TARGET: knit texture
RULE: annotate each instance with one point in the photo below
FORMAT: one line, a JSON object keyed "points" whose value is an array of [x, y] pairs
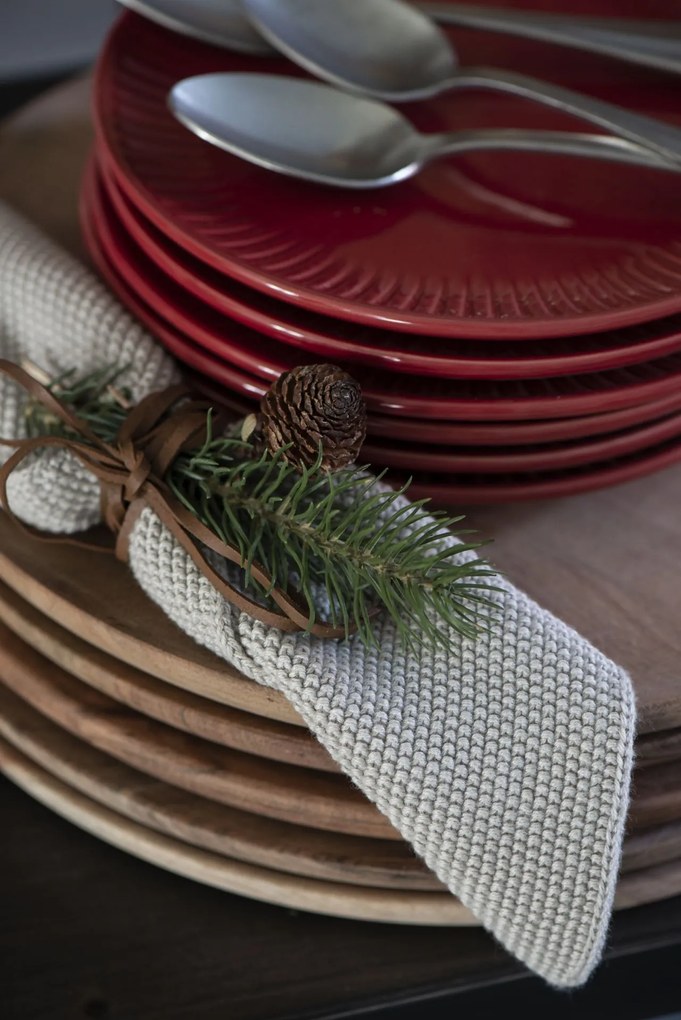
{"points": [[505, 762]]}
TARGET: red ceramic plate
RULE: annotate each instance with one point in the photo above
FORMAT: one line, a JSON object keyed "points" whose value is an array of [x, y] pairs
{"points": [[469, 488], [168, 311], [228, 340], [479, 490], [491, 245], [236, 384], [463, 434], [472, 490], [458, 459], [547, 457], [353, 344]]}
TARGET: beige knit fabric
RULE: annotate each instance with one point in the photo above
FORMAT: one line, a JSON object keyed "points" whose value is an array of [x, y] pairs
{"points": [[505, 762]]}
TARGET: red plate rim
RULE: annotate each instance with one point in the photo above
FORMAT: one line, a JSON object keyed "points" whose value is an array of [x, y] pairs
{"points": [[327, 304], [569, 484], [278, 322], [424, 406], [476, 434], [549, 457]]}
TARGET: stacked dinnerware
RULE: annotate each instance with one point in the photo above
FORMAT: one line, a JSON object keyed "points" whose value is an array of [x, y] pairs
{"points": [[122, 724], [514, 319]]}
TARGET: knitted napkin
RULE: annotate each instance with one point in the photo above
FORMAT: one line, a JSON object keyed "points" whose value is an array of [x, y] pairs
{"points": [[505, 761]]}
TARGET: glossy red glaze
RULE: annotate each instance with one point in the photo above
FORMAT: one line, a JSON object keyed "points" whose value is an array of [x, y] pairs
{"points": [[493, 245], [352, 344], [516, 433], [476, 434], [501, 460], [480, 490], [181, 323]]}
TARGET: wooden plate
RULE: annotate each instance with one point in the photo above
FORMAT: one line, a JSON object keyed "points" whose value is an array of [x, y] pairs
{"points": [[241, 835], [655, 747], [204, 823], [210, 720], [276, 790], [190, 713], [656, 795], [337, 899], [95, 597], [360, 903], [302, 796], [649, 885], [646, 849]]}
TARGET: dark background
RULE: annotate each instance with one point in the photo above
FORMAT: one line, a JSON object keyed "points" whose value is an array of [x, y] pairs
{"points": [[43, 40]]}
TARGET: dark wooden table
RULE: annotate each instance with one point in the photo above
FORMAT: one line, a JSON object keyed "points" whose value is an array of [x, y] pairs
{"points": [[86, 931]]}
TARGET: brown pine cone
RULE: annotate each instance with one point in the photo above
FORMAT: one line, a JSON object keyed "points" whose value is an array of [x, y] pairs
{"points": [[314, 405]]}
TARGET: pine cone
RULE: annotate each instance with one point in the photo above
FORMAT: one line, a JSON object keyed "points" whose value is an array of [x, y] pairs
{"points": [[315, 405]]}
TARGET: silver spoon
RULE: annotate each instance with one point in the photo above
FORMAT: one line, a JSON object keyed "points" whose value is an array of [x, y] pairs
{"points": [[651, 43], [220, 22], [318, 133], [647, 42], [390, 50]]}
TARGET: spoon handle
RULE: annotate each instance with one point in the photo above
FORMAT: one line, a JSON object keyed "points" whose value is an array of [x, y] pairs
{"points": [[648, 42], [653, 134], [561, 143]]}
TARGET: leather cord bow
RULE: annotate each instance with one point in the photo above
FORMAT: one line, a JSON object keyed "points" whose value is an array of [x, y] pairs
{"points": [[131, 474]]}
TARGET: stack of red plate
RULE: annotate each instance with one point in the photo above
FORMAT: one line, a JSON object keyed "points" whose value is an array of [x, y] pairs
{"points": [[514, 319]]}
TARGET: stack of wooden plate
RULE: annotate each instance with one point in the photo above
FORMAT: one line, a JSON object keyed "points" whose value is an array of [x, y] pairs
{"points": [[119, 722], [514, 320]]}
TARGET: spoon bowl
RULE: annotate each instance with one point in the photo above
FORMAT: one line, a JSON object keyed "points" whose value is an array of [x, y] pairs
{"points": [[301, 128], [390, 50], [316, 132], [651, 43]]}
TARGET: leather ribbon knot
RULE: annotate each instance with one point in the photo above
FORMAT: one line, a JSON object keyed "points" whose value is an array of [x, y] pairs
{"points": [[131, 473]]}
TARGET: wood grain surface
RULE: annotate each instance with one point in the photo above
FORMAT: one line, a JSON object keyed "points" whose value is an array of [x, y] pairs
{"points": [[655, 795], [339, 900], [95, 597], [649, 885], [362, 903], [95, 932], [91, 931], [243, 836], [303, 796], [201, 717], [43, 149], [657, 845], [662, 746], [204, 823]]}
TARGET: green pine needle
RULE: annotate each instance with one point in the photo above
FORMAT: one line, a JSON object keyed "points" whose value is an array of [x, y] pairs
{"points": [[332, 538]]}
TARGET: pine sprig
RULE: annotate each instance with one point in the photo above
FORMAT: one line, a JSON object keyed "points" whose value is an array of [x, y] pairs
{"points": [[94, 397], [343, 543]]}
